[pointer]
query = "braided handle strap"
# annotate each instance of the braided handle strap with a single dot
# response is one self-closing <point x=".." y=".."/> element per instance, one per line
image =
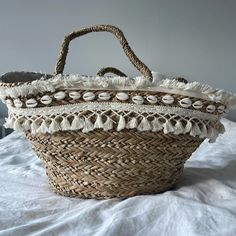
<point x="112" y="70"/>
<point x="101" y="28"/>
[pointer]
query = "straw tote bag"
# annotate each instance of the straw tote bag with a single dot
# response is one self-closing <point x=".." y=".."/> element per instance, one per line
<point x="112" y="136"/>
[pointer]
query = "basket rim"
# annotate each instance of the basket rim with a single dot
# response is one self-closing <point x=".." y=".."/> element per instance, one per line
<point x="41" y="83"/>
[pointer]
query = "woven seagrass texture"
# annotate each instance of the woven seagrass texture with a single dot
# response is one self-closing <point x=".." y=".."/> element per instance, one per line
<point x="101" y="28"/>
<point x="113" y="164"/>
<point x="112" y="70"/>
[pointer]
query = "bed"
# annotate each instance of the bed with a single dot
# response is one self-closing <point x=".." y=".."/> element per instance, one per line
<point x="202" y="203"/>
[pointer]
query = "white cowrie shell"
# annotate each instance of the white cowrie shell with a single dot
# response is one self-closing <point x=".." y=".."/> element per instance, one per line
<point x="74" y="95"/>
<point x="168" y="99"/>
<point x="46" y="99"/>
<point x="18" y="103"/>
<point x="88" y="96"/>
<point x="210" y="108"/>
<point x="8" y="102"/>
<point x="138" y="99"/>
<point x="197" y="105"/>
<point x="152" y="99"/>
<point x="60" y="95"/>
<point x="221" y="109"/>
<point x="104" y="96"/>
<point x="31" y="103"/>
<point x="185" y="102"/>
<point x="122" y="96"/>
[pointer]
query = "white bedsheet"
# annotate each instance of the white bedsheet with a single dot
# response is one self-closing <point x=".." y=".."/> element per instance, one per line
<point x="203" y="202"/>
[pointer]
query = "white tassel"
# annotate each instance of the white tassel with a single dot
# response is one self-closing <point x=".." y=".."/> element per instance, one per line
<point x="212" y="134"/>
<point x="43" y="128"/>
<point x="9" y="122"/>
<point x="17" y="125"/>
<point x="195" y="130"/>
<point x="144" y="125"/>
<point x="132" y="124"/>
<point x="121" y="123"/>
<point x="77" y="123"/>
<point x="108" y="124"/>
<point x="88" y="126"/>
<point x="179" y="128"/>
<point x="98" y="123"/>
<point x="34" y="127"/>
<point x="54" y="126"/>
<point x="168" y="127"/>
<point x="203" y="131"/>
<point x="65" y="124"/>
<point x="221" y="128"/>
<point x="188" y="127"/>
<point x="27" y="125"/>
<point x="156" y="125"/>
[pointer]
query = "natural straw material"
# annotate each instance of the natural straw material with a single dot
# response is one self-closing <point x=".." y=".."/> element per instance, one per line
<point x="113" y="164"/>
<point x="101" y="28"/>
<point x="112" y="70"/>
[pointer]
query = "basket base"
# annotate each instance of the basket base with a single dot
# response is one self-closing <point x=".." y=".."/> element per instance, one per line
<point x="105" y="165"/>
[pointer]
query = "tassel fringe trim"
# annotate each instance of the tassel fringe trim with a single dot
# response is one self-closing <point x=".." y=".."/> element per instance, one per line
<point x="201" y="128"/>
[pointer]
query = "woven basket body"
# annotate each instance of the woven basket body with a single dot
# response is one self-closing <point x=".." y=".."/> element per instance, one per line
<point x="113" y="164"/>
<point x="105" y="137"/>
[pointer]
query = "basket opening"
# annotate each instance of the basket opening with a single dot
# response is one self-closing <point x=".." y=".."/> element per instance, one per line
<point x="22" y="77"/>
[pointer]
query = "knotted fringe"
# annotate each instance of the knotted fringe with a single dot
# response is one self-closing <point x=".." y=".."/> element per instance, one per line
<point x="65" y="124"/>
<point x="9" y="122"/>
<point x="195" y="131"/>
<point x="144" y="125"/>
<point x="17" y="125"/>
<point x="77" y="123"/>
<point x="34" y="127"/>
<point x="54" y="126"/>
<point x="188" y="127"/>
<point x="98" y="123"/>
<point x="203" y="133"/>
<point x="156" y="125"/>
<point x="43" y="128"/>
<point x="168" y="127"/>
<point x="132" y="124"/>
<point x="181" y="126"/>
<point x="27" y="125"/>
<point x="108" y="125"/>
<point x="121" y="123"/>
<point x="88" y="125"/>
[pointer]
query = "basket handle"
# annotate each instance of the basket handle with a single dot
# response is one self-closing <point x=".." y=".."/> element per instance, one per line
<point x="101" y="28"/>
<point x="113" y="70"/>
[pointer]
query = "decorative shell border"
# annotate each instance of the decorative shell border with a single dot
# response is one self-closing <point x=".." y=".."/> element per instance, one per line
<point x="139" y="83"/>
<point x="63" y="97"/>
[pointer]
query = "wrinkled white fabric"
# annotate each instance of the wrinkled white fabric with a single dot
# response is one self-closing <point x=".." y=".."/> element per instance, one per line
<point x="202" y="203"/>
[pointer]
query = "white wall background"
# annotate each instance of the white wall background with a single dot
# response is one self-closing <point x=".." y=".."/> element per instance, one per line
<point x="191" y="38"/>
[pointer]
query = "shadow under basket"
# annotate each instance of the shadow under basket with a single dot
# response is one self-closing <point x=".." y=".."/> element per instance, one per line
<point x="105" y="164"/>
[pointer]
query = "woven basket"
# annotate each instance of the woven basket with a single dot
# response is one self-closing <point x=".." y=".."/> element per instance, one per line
<point x="105" y="137"/>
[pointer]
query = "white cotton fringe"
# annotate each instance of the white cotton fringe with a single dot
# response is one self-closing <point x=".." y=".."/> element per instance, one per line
<point x="75" y="82"/>
<point x="202" y="128"/>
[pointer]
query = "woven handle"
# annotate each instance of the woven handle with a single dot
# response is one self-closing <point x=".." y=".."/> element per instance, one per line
<point x="112" y="70"/>
<point x="101" y="28"/>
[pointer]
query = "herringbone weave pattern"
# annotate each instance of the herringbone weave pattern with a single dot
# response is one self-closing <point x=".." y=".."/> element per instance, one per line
<point x="113" y="164"/>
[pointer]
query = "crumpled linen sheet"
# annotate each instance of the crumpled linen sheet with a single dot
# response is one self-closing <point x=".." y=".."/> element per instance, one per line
<point x="202" y="203"/>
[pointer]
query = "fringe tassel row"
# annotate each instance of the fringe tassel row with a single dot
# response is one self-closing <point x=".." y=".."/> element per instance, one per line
<point x="86" y="125"/>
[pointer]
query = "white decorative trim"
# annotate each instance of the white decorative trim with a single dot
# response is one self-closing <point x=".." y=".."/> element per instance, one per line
<point x="140" y="83"/>
<point x="106" y="106"/>
<point x="107" y="116"/>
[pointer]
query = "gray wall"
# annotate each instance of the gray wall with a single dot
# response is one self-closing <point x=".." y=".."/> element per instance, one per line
<point x="192" y="38"/>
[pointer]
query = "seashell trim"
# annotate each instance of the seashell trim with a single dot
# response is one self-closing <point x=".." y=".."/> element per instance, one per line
<point x="128" y="97"/>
